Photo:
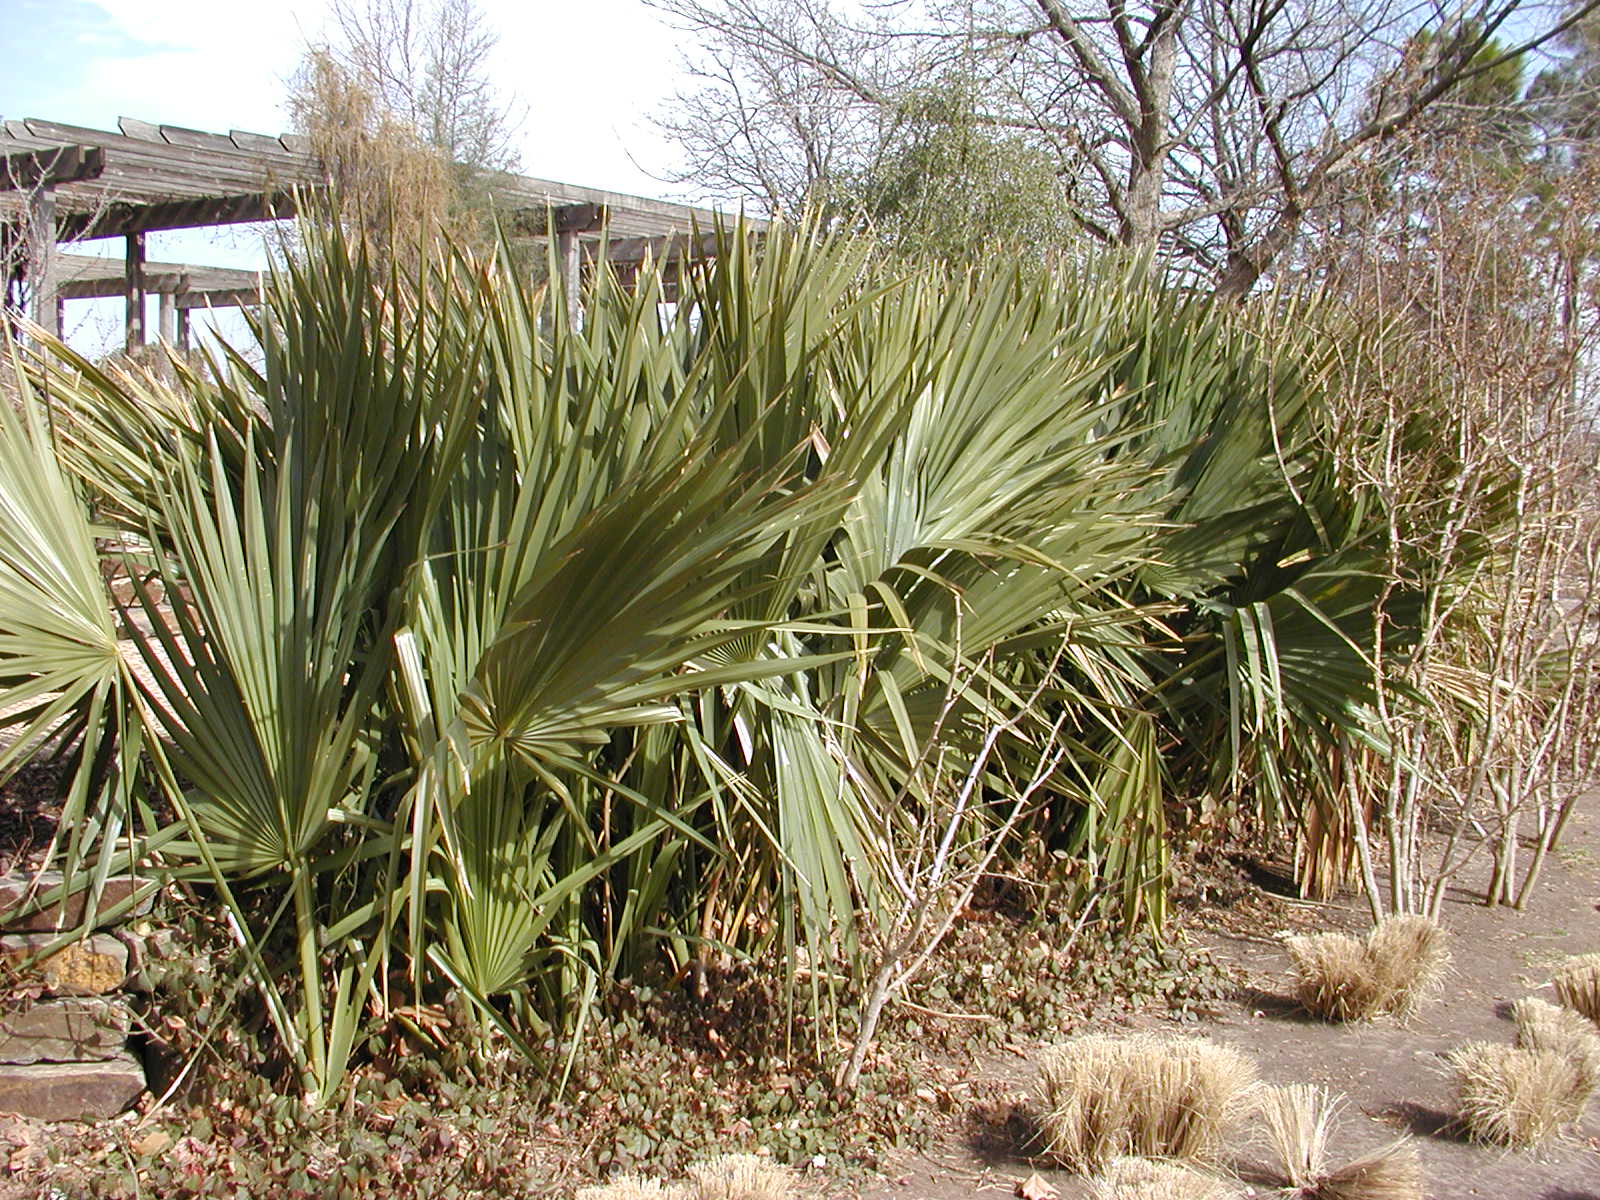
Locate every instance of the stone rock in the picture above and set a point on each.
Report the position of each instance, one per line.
(147, 949)
(87, 968)
(16, 890)
(83, 1029)
(71, 1091)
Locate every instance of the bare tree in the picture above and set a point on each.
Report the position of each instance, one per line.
(399, 108)
(777, 128)
(426, 62)
(1474, 430)
(1205, 129)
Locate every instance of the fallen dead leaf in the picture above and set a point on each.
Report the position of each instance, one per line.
(1035, 1187)
(152, 1143)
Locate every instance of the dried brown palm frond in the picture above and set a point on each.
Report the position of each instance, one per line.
(629, 1187)
(1297, 1122)
(1545, 1026)
(1148, 1179)
(1340, 978)
(1392, 1173)
(1578, 985)
(1106, 1097)
(739, 1177)
(1515, 1097)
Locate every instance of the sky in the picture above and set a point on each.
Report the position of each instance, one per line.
(583, 79)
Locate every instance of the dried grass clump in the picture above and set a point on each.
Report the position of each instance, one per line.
(1409, 956)
(1515, 1097)
(740, 1177)
(1144, 1179)
(629, 1187)
(1578, 985)
(1108, 1097)
(1545, 1026)
(1298, 1123)
(1333, 978)
(1392, 1173)
(1340, 978)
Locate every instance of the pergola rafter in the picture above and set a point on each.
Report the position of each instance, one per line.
(65, 183)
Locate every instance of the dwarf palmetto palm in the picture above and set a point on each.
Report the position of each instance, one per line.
(513, 648)
(64, 679)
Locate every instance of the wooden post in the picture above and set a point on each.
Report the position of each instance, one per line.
(183, 329)
(570, 253)
(133, 292)
(169, 318)
(42, 258)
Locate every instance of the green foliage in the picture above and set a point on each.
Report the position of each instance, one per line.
(497, 658)
(951, 184)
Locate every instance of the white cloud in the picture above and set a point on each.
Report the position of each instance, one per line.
(585, 77)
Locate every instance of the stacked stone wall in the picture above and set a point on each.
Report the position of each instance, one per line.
(66, 1016)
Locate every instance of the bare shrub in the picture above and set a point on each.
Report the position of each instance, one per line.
(1145, 1179)
(739, 1177)
(386, 181)
(629, 1187)
(1473, 273)
(1339, 978)
(1514, 1097)
(1107, 1097)
(1545, 1026)
(1578, 985)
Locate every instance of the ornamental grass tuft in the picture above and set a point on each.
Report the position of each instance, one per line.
(1513, 1097)
(739, 1177)
(1108, 1097)
(1545, 1026)
(629, 1187)
(1577, 983)
(1340, 978)
(1298, 1124)
(1148, 1179)
(1393, 1172)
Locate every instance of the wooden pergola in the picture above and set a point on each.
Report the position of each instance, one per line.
(181, 287)
(65, 183)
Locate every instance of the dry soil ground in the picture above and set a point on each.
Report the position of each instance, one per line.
(1392, 1074)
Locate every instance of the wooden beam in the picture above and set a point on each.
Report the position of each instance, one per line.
(227, 298)
(569, 251)
(133, 292)
(169, 319)
(45, 168)
(122, 219)
(556, 219)
(42, 259)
